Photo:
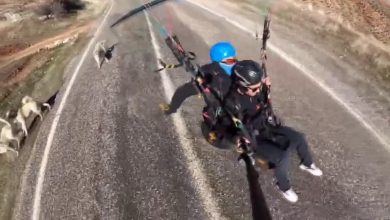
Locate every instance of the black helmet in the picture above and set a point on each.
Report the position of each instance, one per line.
(247, 73)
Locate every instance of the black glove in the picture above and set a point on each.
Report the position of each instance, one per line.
(242, 144)
(274, 120)
(271, 118)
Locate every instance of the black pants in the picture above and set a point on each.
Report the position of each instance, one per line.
(276, 153)
(181, 94)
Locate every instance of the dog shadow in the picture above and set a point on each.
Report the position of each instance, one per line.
(109, 51)
(108, 54)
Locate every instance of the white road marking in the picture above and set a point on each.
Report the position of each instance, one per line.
(42, 168)
(193, 163)
(310, 75)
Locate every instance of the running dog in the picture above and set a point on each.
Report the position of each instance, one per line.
(6, 136)
(28, 105)
(99, 53)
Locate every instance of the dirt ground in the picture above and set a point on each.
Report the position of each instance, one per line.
(31, 43)
(360, 27)
(371, 17)
(33, 56)
(367, 16)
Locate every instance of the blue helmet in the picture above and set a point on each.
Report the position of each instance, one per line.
(221, 51)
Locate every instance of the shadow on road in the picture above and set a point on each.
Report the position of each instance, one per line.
(260, 210)
(136, 11)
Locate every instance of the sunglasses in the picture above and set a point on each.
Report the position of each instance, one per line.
(254, 89)
(229, 61)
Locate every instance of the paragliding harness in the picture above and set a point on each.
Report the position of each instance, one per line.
(211, 97)
(187, 60)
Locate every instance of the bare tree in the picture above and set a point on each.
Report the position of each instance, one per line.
(44, 9)
(59, 8)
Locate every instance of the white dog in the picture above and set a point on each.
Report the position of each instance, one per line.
(99, 53)
(6, 136)
(28, 105)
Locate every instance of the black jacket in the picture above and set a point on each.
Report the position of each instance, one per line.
(218, 85)
(252, 111)
(216, 79)
(268, 140)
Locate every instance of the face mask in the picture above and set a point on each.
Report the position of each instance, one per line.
(227, 68)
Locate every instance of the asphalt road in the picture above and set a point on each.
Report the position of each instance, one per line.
(116, 156)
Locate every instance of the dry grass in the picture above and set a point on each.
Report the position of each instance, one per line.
(41, 84)
(358, 26)
(24, 71)
(367, 16)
